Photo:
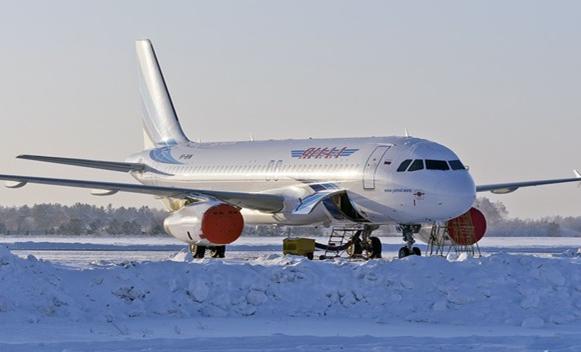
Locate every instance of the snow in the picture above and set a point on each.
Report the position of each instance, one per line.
(274, 302)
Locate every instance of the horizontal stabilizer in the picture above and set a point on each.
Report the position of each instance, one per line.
(95, 164)
(258, 201)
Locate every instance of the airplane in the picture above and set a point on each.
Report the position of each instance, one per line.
(212, 190)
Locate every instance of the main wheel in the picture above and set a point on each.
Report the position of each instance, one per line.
(355, 249)
(218, 252)
(375, 252)
(403, 252)
(198, 252)
(416, 251)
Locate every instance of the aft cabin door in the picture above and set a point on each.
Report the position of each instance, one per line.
(371, 166)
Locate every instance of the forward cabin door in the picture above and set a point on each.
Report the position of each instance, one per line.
(371, 166)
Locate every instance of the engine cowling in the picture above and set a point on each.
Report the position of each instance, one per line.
(467, 229)
(208, 223)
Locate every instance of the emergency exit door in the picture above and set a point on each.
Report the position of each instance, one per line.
(371, 166)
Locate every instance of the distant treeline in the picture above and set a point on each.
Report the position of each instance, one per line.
(85, 219)
(80, 219)
(500, 224)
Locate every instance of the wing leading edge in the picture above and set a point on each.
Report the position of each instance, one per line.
(259, 201)
(503, 188)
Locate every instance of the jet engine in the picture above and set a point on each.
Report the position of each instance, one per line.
(467, 229)
(207, 223)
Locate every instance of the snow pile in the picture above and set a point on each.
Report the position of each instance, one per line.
(571, 253)
(497, 290)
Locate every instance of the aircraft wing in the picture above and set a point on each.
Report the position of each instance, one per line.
(95, 164)
(502, 188)
(258, 201)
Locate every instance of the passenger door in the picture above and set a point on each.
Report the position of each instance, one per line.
(371, 166)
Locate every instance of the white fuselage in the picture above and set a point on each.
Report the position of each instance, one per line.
(367, 168)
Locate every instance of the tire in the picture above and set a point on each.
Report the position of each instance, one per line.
(416, 251)
(198, 252)
(403, 252)
(218, 252)
(310, 256)
(375, 252)
(355, 250)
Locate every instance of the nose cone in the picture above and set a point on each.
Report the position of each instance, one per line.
(453, 194)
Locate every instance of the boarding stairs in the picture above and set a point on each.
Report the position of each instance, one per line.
(441, 244)
(338, 241)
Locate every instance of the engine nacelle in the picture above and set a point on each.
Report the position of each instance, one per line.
(467, 229)
(207, 223)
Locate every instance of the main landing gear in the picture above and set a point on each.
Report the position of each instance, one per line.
(363, 245)
(355, 241)
(408, 237)
(198, 252)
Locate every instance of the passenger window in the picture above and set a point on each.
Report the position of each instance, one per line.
(417, 165)
(456, 165)
(437, 165)
(404, 165)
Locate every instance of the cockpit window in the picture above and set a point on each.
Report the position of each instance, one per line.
(437, 165)
(404, 165)
(417, 165)
(456, 165)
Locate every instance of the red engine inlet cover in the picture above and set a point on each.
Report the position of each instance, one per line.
(467, 229)
(222, 224)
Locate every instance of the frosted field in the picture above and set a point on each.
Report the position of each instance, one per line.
(71, 294)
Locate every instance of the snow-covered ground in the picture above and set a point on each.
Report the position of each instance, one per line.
(151, 299)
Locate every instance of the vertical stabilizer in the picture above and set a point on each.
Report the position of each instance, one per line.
(159, 116)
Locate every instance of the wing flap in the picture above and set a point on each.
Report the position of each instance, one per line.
(257, 201)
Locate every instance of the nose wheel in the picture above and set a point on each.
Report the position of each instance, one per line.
(408, 237)
(405, 252)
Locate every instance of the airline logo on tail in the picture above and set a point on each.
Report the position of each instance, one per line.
(323, 153)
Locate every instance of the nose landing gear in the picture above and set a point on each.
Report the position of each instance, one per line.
(408, 237)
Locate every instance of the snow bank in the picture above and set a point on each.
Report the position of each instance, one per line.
(501, 289)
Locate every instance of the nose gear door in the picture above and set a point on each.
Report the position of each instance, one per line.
(371, 166)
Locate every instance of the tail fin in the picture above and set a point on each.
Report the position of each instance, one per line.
(160, 121)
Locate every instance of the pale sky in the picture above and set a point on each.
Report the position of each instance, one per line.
(499, 82)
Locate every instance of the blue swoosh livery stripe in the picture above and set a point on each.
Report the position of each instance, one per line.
(163, 155)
